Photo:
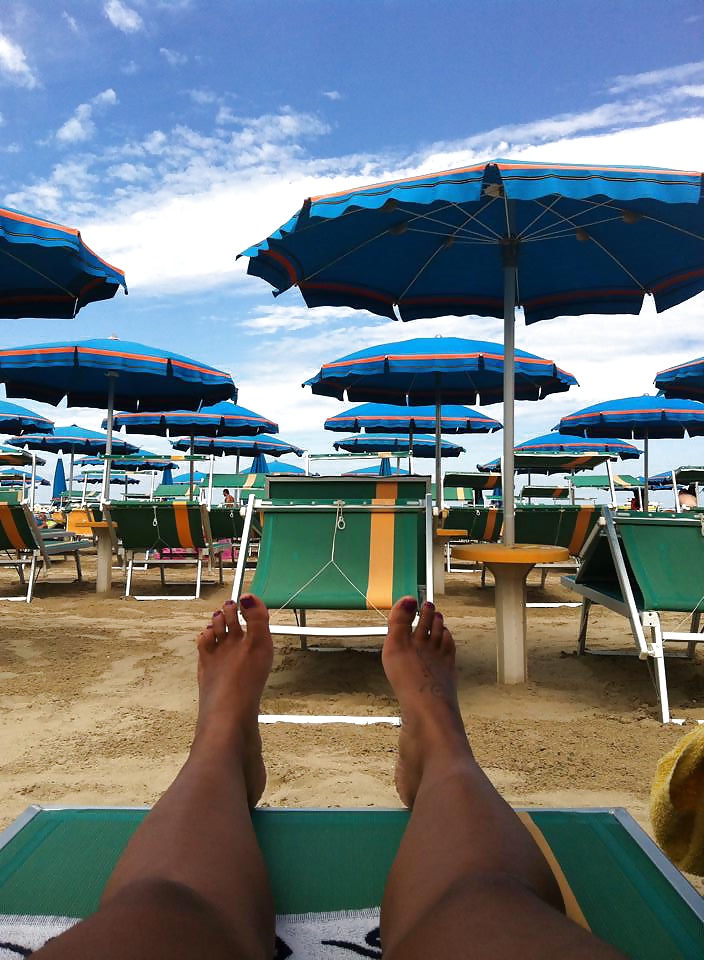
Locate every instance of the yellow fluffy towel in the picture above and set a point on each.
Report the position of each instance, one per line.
(677, 803)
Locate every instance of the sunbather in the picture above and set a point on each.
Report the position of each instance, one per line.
(468, 879)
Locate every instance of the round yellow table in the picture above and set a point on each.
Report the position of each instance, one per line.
(510, 566)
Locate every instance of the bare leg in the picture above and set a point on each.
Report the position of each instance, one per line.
(192, 881)
(468, 877)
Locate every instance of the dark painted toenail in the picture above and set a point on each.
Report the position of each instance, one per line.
(439, 616)
(247, 602)
(409, 605)
(229, 603)
(429, 606)
(218, 613)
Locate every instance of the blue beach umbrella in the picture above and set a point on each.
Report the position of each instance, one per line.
(567, 443)
(46, 270)
(386, 443)
(640, 418)
(385, 470)
(223, 419)
(684, 381)
(198, 477)
(167, 477)
(16, 419)
(554, 239)
(415, 372)
(259, 464)
(117, 477)
(236, 446)
(141, 461)
(387, 418)
(105, 373)
(15, 478)
(275, 467)
(72, 440)
(58, 487)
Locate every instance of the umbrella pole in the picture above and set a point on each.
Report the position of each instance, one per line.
(510, 255)
(645, 471)
(674, 491)
(70, 475)
(438, 449)
(210, 480)
(612, 488)
(190, 469)
(112, 377)
(85, 490)
(34, 481)
(237, 463)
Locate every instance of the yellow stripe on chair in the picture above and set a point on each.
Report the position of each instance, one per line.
(386, 494)
(580, 529)
(381, 560)
(183, 528)
(249, 482)
(460, 493)
(7, 521)
(490, 525)
(572, 907)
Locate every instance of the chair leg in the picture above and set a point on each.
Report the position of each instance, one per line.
(302, 620)
(79, 572)
(128, 578)
(483, 580)
(162, 575)
(543, 578)
(20, 570)
(693, 628)
(199, 569)
(32, 577)
(222, 580)
(583, 624)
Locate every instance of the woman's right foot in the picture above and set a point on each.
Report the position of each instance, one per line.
(233, 667)
(420, 666)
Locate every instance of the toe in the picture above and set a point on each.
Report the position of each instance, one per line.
(425, 623)
(219, 627)
(436, 630)
(206, 640)
(232, 621)
(256, 615)
(448, 643)
(401, 618)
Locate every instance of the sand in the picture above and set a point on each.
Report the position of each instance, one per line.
(99, 699)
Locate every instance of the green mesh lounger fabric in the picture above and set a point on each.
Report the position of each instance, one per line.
(332, 860)
(159, 526)
(226, 522)
(175, 491)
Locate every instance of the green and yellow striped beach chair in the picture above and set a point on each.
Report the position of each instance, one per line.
(639, 566)
(54, 863)
(339, 543)
(169, 534)
(21, 539)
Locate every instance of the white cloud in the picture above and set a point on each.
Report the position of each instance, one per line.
(678, 74)
(122, 17)
(173, 57)
(130, 68)
(332, 94)
(71, 21)
(81, 126)
(202, 97)
(13, 64)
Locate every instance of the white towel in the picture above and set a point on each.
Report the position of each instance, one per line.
(310, 936)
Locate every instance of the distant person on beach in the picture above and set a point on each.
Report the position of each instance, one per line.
(468, 879)
(227, 496)
(688, 498)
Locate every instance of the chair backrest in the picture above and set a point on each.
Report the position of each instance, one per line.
(226, 522)
(555, 525)
(327, 556)
(11, 496)
(457, 494)
(546, 493)
(158, 525)
(175, 491)
(662, 556)
(18, 529)
(347, 488)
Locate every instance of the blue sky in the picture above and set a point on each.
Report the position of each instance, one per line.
(174, 134)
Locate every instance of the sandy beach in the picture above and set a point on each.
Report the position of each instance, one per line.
(99, 702)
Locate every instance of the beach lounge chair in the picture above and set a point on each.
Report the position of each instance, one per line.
(641, 566)
(22, 540)
(339, 543)
(169, 535)
(54, 862)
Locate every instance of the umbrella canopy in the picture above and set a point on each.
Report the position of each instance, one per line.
(549, 463)
(198, 477)
(11, 456)
(58, 487)
(219, 420)
(16, 419)
(236, 446)
(567, 443)
(14, 478)
(387, 443)
(433, 369)
(621, 481)
(46, 270)
(276, 468)
(384, 470)
(259, 464)
(686, 380)
(492, 236)
(141, 461)
(73, 440)
(385, 417)
(117, 477)
(640, 418)
(143, 378)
